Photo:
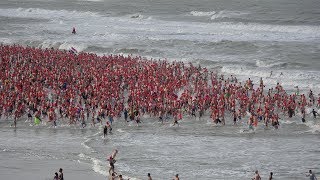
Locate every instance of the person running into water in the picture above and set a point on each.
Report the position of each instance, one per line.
(105, 131)
(175, 121)
(56, 176)
(109, 126)
(161, 119)
(311, 175)
(113, 176)
(83, 123)
(251, 123)
(61, 174)
(15, 122)
(270, 177)
(176, 177)
(256, 176)
(234, 117)
(74, 30)
(125, 113)
(315, 113)
(112, 161)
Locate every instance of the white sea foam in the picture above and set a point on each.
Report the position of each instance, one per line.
(44, 13)
(227, 14)
(314, 128)
(120, 130)
(136, 16)
(202, 13)
(68, 46)
(97, 165)
(84, 144)
(261, 63)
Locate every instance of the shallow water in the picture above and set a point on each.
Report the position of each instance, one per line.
(197, 149)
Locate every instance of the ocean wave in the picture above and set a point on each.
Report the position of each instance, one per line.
(314, 128)
(59, 45)
(265, 72)
(303, 29)
(136, 16)
(78, 46)
(278, 64)
(202, 13)
(126, 29)
(97, 165)
(44, 13)
(228, 14)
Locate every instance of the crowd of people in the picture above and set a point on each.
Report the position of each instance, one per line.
(51, 85)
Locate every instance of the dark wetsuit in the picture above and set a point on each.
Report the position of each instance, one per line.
(105, 131)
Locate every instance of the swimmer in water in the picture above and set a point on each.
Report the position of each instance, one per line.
(121, 178)
(270, 177)
(74, 30)
(176, 177)
(311, 175)
(256, 176)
